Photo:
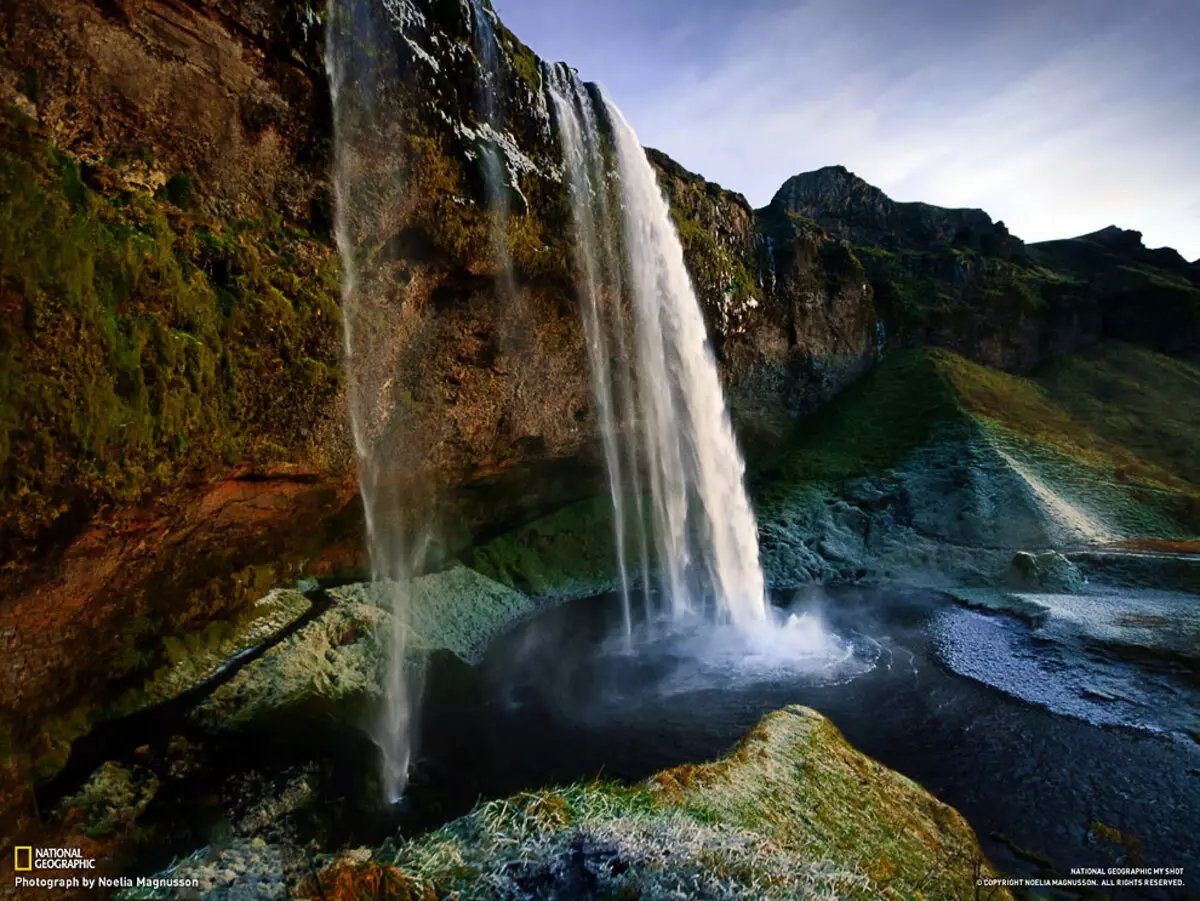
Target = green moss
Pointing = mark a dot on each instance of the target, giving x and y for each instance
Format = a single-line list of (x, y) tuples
[(179, 191), (950, 287), (793, 812), (556, 554), (524, 61), (872, 425), (138, 348)]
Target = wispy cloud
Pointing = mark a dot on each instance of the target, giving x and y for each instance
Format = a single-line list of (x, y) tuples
[(1058, 117)]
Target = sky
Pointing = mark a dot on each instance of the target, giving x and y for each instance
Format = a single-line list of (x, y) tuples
[(1059, 117)]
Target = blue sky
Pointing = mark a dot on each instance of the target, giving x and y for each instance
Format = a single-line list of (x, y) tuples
[(1058, 116)]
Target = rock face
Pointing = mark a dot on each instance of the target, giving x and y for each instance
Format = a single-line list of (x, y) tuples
[(1050, 571), (173, 349), (953, 278), (846, 207), (790, 312), (1150, 297)]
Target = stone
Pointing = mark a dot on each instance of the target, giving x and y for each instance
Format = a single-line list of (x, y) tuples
[(113, 798), (196, 657), (1049, 571), (329, 668)]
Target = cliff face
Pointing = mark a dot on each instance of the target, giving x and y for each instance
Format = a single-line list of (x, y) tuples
[(173, 412), (790, 312), (1149, 297), (953, 278), (847, 207)]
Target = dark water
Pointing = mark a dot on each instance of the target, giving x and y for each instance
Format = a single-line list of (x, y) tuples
[(561, 699)]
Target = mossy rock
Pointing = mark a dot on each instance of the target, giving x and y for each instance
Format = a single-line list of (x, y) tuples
[(457, 610), (793, 811), (330, 669), (113, 798), (197, 656), (143, 344)]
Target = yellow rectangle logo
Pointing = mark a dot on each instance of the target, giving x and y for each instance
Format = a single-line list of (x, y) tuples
[(28, 849)]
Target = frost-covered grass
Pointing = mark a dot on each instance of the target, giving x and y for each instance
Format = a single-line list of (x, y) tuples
[(793, 812), (616, 842)]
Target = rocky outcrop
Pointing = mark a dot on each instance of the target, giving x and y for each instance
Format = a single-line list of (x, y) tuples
[(846, 207), (953, 278), (790, 313), (1151, 297)]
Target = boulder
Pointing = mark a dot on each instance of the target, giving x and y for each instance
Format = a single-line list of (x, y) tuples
[(1049, 571)]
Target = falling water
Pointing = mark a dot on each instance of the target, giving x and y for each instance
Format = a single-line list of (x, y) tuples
[(594, 258), (705, 535), (374, 319), (488, 111), (704, 528)]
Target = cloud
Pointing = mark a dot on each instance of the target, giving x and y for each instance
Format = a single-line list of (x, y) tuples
[(1058, 124)]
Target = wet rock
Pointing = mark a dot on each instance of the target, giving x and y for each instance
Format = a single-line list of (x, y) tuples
[(335, 665), (195, 657), (457, 610), (1049, 571), (329, 668)]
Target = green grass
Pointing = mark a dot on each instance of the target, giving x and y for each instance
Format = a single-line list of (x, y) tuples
[(793, 811), (569, 550), (1144, 402), (1116, 423), (873, 424), (140, 344)]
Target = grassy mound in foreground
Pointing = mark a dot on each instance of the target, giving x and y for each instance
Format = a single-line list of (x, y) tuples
[(793, 812)]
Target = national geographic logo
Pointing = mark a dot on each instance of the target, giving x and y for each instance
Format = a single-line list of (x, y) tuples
[(52, 868), (28, 859), (54, 861)]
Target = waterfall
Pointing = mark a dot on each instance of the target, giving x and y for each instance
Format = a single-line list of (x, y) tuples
[(374, 320), (594, 258), (489, 115), (704, 532)]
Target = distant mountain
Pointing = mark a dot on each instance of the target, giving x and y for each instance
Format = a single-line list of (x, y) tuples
[(955, 278), (847, 207)]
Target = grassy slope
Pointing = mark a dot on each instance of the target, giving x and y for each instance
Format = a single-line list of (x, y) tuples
[(1124, 412), (1113, 427), (1143, 402)]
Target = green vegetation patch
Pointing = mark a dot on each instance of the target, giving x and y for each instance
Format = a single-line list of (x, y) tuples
[(1111, 389), (1139, 400), (874, 424), (566, 553), (139, 345)]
